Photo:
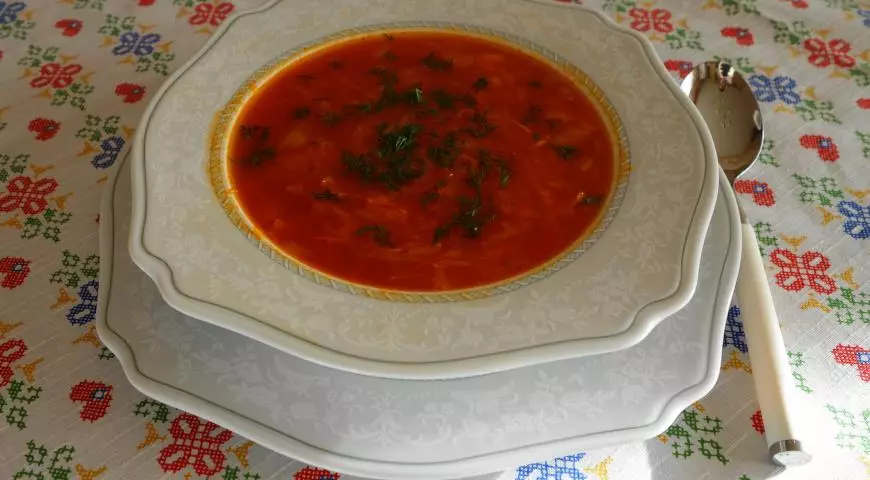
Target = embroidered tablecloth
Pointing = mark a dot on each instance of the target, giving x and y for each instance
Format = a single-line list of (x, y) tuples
[(75, 76)]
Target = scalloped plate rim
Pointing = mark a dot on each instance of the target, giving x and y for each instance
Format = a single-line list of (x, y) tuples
[(644, 321)]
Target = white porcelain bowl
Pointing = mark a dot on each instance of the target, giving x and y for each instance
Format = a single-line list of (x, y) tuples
[(642, 267)]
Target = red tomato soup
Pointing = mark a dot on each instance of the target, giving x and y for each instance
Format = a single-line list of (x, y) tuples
[(421, 161)]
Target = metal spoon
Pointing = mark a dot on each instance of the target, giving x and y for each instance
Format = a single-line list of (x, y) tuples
[(731, 112)]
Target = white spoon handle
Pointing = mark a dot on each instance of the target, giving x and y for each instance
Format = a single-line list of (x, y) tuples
[(767, 353)]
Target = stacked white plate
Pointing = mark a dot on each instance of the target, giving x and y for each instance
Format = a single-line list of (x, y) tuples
[(608, 349)]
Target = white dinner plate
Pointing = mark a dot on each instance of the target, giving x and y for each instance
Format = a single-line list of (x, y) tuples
[(421, 429), (616, 287)]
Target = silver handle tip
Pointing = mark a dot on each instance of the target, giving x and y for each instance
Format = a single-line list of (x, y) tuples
[(789, 453)]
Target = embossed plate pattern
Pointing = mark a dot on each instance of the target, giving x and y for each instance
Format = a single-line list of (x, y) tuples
[(402, 429), (644, 266)]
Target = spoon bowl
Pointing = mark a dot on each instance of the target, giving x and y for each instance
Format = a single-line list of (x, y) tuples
[(731, 112)]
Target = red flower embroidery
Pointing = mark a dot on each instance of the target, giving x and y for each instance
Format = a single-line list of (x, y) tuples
[(743, 35), (15, 270), (311, 473), (96, 396), (658, 20), (801, 4), (44, 128), (854, 355), (824, 146), (681, 67), (863, 103), (194, 442), (146, 3), (70, 26), (131, 92), (835, 51), (55, 75), (211, 14), (757, 422), (10, 352), (811, 269), (761, 192), (27, 195)]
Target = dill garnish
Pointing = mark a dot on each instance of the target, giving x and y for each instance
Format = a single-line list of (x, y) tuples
[(391, 56), (444, 155), (480, 126), (379, 233), (336, 65), (301, 112), (565, 152), (504, 172), (535, 84), (480, 84), (388, 37), (259, 156), (331, 119), (437, 63), (591, 200), (326, 195), (257, 132)]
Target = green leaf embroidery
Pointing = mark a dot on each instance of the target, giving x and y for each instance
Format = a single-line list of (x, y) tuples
[(864, 138)]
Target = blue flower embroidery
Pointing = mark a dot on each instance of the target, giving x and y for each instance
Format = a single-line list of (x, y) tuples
[(772, 89), (561, 468), (858, 224), (9, 12), (86, 311), (139, 45), (734, 333), (866, 15), (111, 148)]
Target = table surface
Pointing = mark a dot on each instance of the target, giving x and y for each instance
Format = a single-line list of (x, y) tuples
[(75, 76)]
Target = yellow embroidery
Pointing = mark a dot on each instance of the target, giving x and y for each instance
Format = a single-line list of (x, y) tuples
[(736, 364), (28, 369), (846, 277), (812, 302), (63, 298), (795, 242), (241, 452), (600, 470), (151, 436), (86, 474), (89, 337), (8, 327)]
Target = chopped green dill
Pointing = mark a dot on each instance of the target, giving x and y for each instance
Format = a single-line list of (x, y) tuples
[(480, 126), (259, 156), (336, 65), (390, 56), (444, 154), (331, 119), (429, 196), (536, 84), (415, 96), (436, 63), (565, 152), (504, 172), (305, 77), (389, 37), (480, 84), (258, 132), (380, 234), (301, 112), (591, 200), (326, 195)]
